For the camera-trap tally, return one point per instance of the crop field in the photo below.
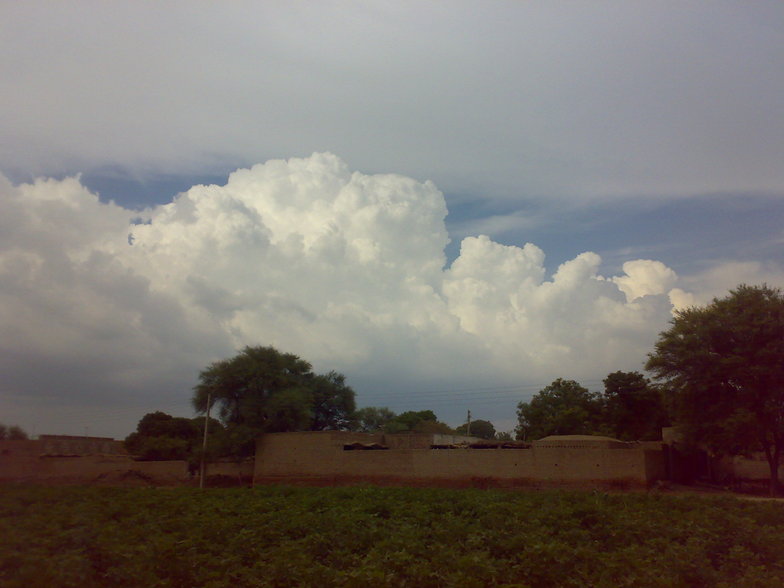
(365, 536)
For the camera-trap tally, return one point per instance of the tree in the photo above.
(235, 441)
(160, 424)
(435, 427)
(243, 385)
(333, 403)
(410, 419)
(479, 428)
(633, 409)
(270, 391)
(423, 421)
(723, 367)
(372, 418)
(161, 436)
(562, 408)
(12, 433)
(287, 410)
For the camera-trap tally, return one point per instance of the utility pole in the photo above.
(204, 441)
(468, 424)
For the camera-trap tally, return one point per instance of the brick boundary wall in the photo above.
(27, 462)
(320, 458)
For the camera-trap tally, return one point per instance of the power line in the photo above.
(497, 392)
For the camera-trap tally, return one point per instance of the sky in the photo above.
(452, 203)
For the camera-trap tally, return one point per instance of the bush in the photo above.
(281, 536)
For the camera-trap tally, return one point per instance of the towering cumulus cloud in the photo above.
(346, 269)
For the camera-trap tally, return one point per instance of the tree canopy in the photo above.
(723, 368)
(422, 421)
(12, 433)
(266, 390)
(372, 418)
(632, 408)
(333, 402)
(478, 428)
(562, 408)
(161, 436)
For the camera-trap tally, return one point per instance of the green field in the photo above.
(364, 536)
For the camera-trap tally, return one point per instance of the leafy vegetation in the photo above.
(477, 428)
(562, 408)
(723, 368)
(270, 391)
(12, 433)
(161, 436)
(360, 536)
(372, 418)
(422, 421)
(629, 409)
(632, 409)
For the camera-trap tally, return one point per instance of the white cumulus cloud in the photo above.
(643, 277)
(106, 306)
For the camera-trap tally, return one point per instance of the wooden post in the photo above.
(204, 442)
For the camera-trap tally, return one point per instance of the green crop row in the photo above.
(361, 536)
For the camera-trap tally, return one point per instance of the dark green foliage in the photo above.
(243, 385)
(562, 408)
(411, 419)
(423, 421)
(632, 408)
(386, 537)
(372, 418)
(723, 369)
(479, 428)
(333, 403)
(12, 433)
(287, 410)
(237, 441)
(269, 391)
(433, 428)
(161, 436)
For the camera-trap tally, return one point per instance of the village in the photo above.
(413, 459)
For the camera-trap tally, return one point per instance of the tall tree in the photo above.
(161, 436)
(333, 402)
(422, 421)
(723, 366)
(372, 418)
(266, 390)
(243, 385)
(633, 408)
(478, 428)
(12, 433)
(562, 408)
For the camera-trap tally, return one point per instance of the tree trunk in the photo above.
(772, 454)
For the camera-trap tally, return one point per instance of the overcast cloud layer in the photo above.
(510, 99)
(600, 164)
